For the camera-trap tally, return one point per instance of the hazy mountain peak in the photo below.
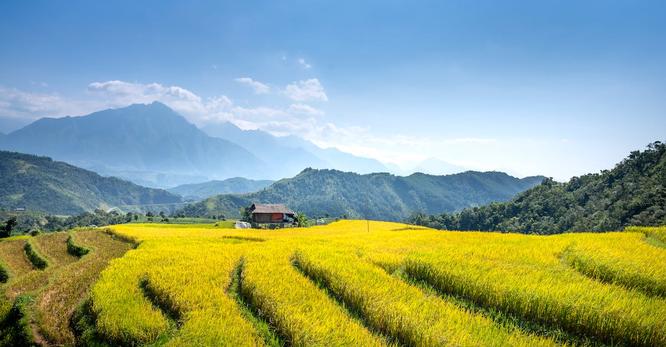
(147, 143)
(295, 153)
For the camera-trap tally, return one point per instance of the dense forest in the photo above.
(632, 193)
(380, 196)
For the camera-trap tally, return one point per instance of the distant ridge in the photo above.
(294, 153)
(236, 185)
(41, 184)
(379, 196)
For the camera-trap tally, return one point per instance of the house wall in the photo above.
(267, 217)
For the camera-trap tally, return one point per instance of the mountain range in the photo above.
(152, 145)
(293, 153)
(38, 183)
(381, 196)
(200, 191)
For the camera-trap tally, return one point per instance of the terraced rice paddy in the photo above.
(351, 283)
(383, 284)
(37, 305)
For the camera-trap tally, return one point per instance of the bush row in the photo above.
(35, 258)
(74, 249)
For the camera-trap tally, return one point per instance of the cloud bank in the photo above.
(307, 90)
(258, 87)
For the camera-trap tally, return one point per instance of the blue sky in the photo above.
(559, 88)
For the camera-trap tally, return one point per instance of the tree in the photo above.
(302, 220)
(8, 228)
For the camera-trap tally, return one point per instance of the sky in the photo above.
(557, 88)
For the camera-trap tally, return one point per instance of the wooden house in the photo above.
(271, 214)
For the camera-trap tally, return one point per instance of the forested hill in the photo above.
(632, 193)
(41, 184)
(380, 196)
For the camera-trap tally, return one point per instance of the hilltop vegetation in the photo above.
(237, 185)
(632, 193)
(41, 184)
(380, 196)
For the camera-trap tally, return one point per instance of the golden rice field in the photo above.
(350, 283)
(358, 283)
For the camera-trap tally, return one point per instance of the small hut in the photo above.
(271, 214)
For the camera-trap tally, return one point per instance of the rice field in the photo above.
(37, 304)
(350, 283)
(359, 283)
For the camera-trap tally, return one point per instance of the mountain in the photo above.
(632, 193)
(293, 152)
(379, 196)
(146, 143)
(41, 184)
(236, 185)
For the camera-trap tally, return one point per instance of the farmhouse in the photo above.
(271, 213)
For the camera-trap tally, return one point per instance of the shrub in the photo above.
(4, 275)
(74, 249)
(35, 258)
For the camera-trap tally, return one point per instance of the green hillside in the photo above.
(236, 185)
(381, 196)
(632, 193)
(41, 184)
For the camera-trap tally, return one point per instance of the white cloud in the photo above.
(298, 118)
(304, 64)
(258, 87)
(16, 103)
(306, 90)
(304, 109)
(120, 93)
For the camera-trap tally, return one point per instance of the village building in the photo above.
(271, 214)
